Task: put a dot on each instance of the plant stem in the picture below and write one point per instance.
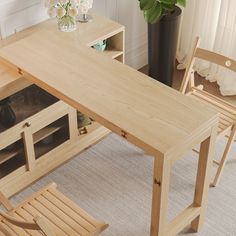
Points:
(67, 6)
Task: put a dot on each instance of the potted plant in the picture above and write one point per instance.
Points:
(163, 17)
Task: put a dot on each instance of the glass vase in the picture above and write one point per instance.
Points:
(67, 23)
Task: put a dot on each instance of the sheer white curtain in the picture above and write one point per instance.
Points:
(215, 22)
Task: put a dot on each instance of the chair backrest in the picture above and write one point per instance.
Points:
(50, 213)
(206, 55)
(37, 223)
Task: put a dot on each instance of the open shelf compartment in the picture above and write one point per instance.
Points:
(114, 46)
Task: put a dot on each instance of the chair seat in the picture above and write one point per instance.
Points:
(227, 112)
(62, 215)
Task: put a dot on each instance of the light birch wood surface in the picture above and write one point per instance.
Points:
(11, 82)
(88, 34)
(147, 113)
(122, 99)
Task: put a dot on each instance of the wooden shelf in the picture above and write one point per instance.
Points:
(40, 135)
(23, 108)
(112, 53)
(114, 46)
(47, 131)
(7, 155)
(11, 165)
(59, 138)
(10, 81)
(45, 164)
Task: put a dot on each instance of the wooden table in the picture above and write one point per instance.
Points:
(145, 112)
(29, 160)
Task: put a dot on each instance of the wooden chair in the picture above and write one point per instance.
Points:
(226, 110)
(47, 212)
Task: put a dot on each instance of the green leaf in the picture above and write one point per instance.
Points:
(182, 3)
(169, 2)
(168, 7)
(146, 4)
(153, 14)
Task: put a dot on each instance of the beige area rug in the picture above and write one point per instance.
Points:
(113, 182)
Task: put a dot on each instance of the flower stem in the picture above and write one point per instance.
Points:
(67, 7)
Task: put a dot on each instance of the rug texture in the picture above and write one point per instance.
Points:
(113, 182)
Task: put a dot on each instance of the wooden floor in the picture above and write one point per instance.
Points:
(211, 87)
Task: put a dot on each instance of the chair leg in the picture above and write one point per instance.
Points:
(224, 157)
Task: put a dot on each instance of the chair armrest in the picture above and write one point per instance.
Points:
(19, 223)
(5, 202)
(38, 224)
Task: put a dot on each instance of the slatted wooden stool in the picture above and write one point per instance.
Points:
(47, 212)
(227, 111)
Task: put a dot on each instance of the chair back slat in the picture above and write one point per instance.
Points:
(216, 58)
(206, 55)
(190, 64)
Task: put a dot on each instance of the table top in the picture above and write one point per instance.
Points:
(87, 34)
(147, 113)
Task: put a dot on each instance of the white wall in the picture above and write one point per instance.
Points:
(16, 15)
(129, 14)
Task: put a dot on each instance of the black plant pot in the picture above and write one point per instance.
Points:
(162, 45)
(7, 115)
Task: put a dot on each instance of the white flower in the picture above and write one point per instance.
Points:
(60, 8)
(90, 3)
(52, 12)
(50, 3)
(63, 1)
(73, 12)
(60, 12)
(85, 5)
(74, 3)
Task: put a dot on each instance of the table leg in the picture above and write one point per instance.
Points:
(161, 180)
(203, 179)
